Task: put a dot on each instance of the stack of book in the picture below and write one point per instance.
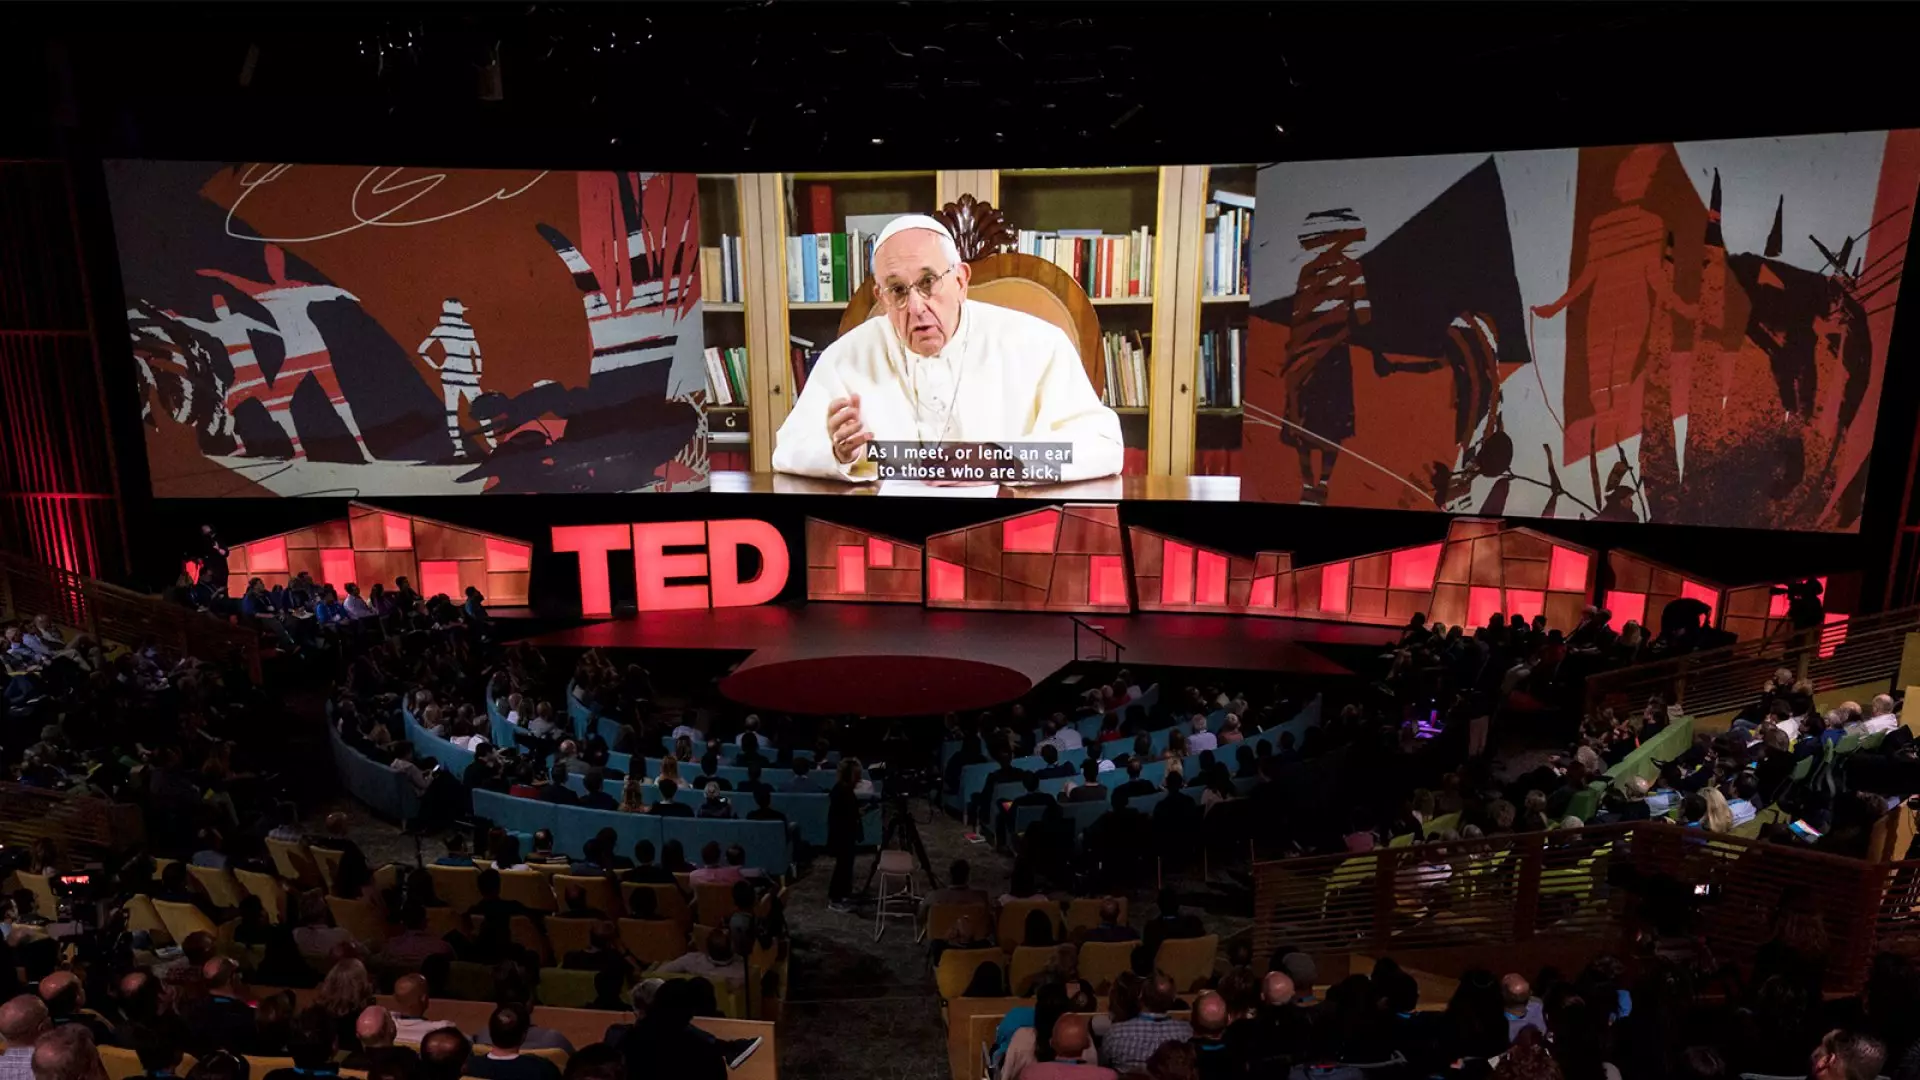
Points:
(726, 375)
(720, 272)
(1106, 266)
(1229, 240)
(824, 267)
(1125, 356)
(803, 356)
(1221, 352)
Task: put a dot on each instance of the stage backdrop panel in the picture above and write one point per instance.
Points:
(343, 330)
(844, 563)
(1690, 333)
(1061, 558)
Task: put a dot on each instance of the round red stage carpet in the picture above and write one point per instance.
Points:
(874, 685)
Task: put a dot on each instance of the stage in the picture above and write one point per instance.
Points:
(880, 660)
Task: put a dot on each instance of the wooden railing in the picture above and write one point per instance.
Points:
(122, 616)
(1862, 649)
(82, 825)
(1593, 884)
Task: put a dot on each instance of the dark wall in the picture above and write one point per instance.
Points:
(764, 87)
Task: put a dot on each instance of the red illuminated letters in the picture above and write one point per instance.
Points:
(653, 566)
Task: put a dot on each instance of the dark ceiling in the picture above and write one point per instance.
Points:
(729, 86)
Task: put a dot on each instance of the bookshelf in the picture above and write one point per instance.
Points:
(1104, 226)
(830, 204)
(723, 267)
(1220, 349)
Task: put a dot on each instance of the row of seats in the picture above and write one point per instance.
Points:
(1010, 926)
(504, 734)
(765, 842)
(1188, 961)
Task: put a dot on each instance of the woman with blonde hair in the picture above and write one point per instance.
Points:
(345, 991)
(633, 794)
(1719, 817)
(670, 770)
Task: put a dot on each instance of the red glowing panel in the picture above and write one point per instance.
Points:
(1030, 532)
(1482, 604)
(1567, 572)
(192, 570)
(505, 555)
(851, 561)
(1414, 568)
(1176, 574)
(653, 567)
(1262, 595)
(1107, 581)
(1627, 607)
(1834, 633)
(1210, 580)
(267, 556)
(336, 567)
(879, 552)
(1693, 590)
(399, 531)
(591, 543)
(945, 581)
(1525, 603)
(724, 539)
(1333, 587)
(439, 576)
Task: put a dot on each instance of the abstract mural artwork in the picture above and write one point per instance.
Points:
(343, 330)
(1690, 333)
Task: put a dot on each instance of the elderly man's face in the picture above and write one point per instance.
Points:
(910, 258)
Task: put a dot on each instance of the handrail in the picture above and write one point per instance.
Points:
(1846, 652)
(110, 613)
(1573, 885)
(1098, 632)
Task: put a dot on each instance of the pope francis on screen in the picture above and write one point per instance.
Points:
(941, 368)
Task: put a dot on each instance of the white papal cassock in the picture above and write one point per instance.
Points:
(1004, 376)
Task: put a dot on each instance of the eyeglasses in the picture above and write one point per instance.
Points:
(895, 296)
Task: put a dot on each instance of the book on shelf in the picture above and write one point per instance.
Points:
(1222, 353)
(803, 356)
(1227, 249)
(721, 276)
(1125, 358)
(827, 266)
(726, 375)
(1106, 265)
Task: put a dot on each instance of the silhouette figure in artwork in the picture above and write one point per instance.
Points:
(287, 301)
(1329, 302)
(459, 368)
(246, 393)
(1624, 280)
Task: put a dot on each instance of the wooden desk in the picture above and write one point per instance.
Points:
(1109, 489)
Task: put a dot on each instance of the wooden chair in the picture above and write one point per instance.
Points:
(1102, 961)
(942, 917)
(124, 1064)
(712, 903)
(182, 919)
(568, 935)
(41, 886)
(328, 860)
(1188, 961)
(359, 918)
(442, 921)
(527, 935)
(684, 879)
(294, 863)
(956, 968)
(272, 894)
(459, 886)
(668, 901)
(387, 877)
(468, 981)
(551, 1053)
(261, 1066)
(1011, 931)
(1029, 963)
(221, 886)
(1005, 278)
(530, 887)
(1083, 913)
(601, 892)
(565, 989)
(142, 916)
(655, 941)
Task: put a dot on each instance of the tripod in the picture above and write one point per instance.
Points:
(900, 830)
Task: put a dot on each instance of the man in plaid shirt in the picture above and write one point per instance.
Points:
(1130, 1043)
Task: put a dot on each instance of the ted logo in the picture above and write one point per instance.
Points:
(653, 567)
